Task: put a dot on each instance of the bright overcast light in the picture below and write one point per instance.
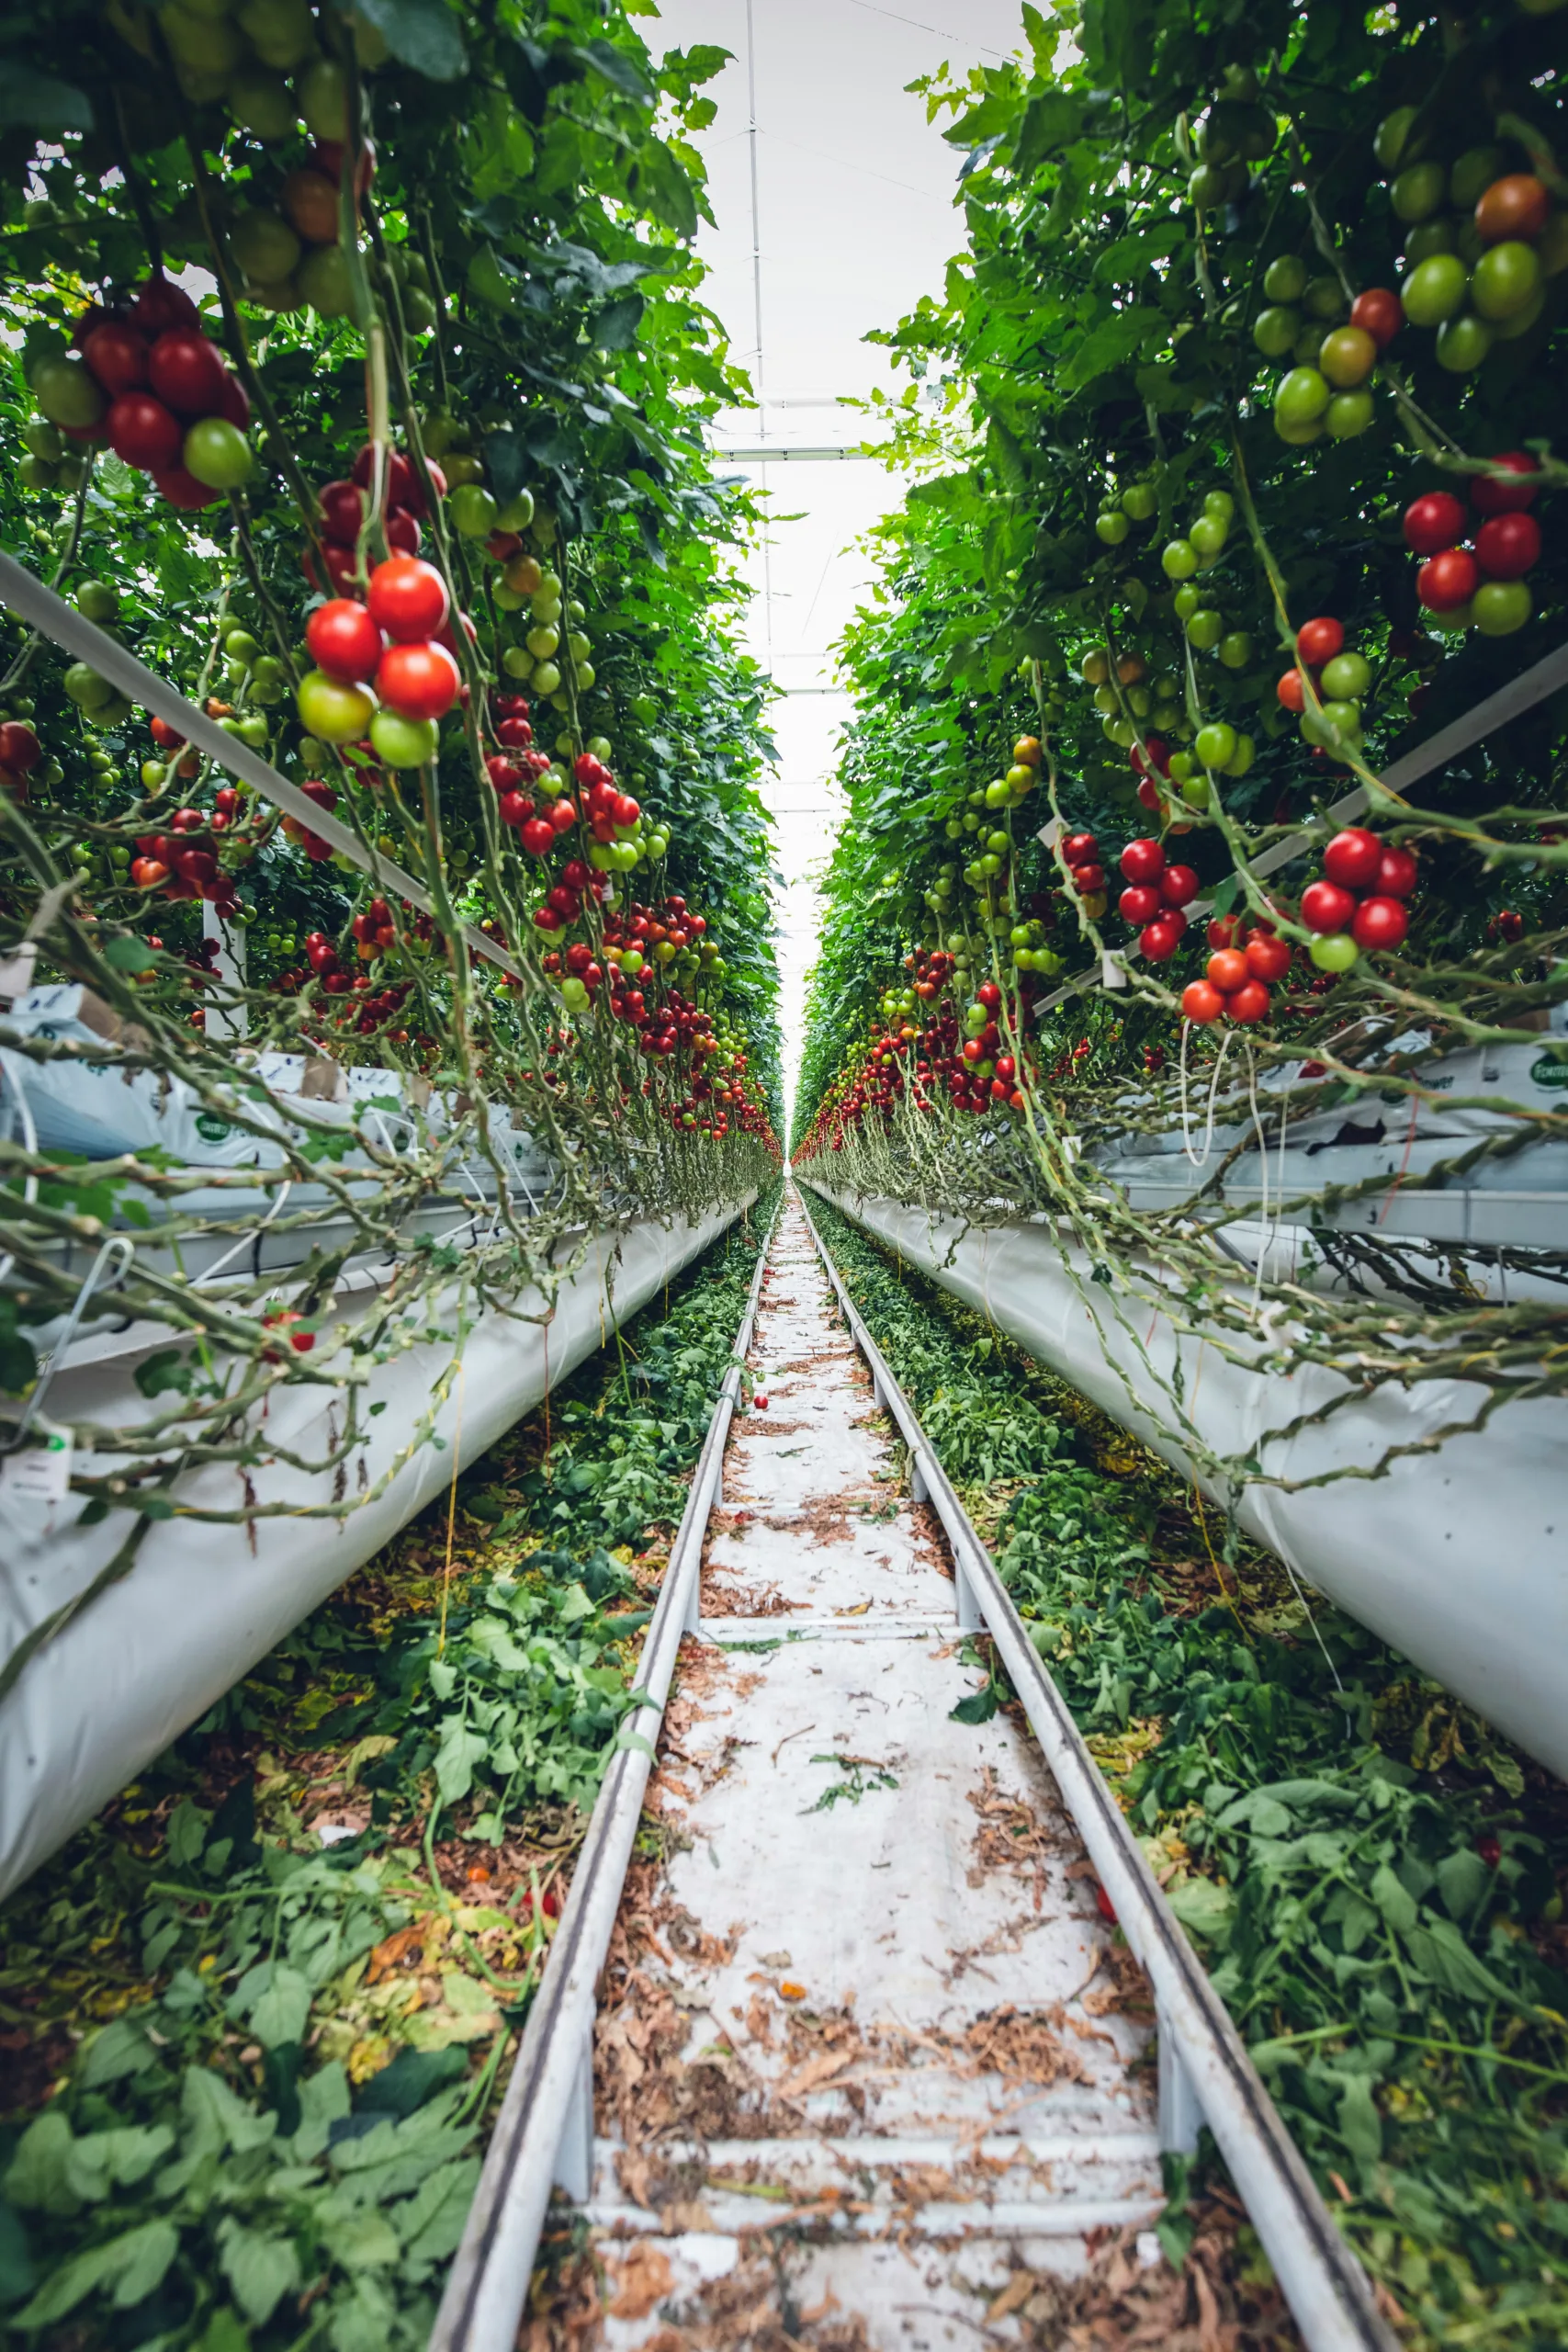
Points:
(856, 219)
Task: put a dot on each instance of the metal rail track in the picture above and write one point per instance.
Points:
(544, 2135)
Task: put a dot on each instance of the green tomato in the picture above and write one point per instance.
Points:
(1112, 528)
(1139, 500)
(1301, 397)
(152, 773)
(1505, 278)
(1105, 700)
(1204, 630)
(1208, 187)
(241, 645)
(1220, 503)
(997, 793)
(66, 391)
(1275, 332)
(96, 601)
(1509, 330)
(209, 48)
(577, 645)
(1348, 414)
(542, 642)
(264, 244)
(471, 510)
(282, 31)
(322, 93)
(217, 453)
(1438, 235)
(517, 514)
(1453, 622)
(252, 728)
(1332, 951)
(1323, 298)
(1347, 677)
(262, 103)
(108, 714)
(573, 992)
(1187, 600)
(1392, 133)
(517, 663)
(85, 688)
(1122, 733)
(1241, 759)
(1435, 291)
(1208, 535)
(1463, 343)
(999, 843)
(1500, 607)
(40, 437)
(586, 676)
(1473, 175)
(1235, 649)
(1140, 702)
(324, 282)
(1285, 278)
(330, 711)
(1419, 191)
(403, 742)
(1167, 717)
(35, 473)
(546, 678)
(1180, 561)
(1217, 743)
(1195, 791)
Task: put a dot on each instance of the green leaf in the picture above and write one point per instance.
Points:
(459, 1751)
(665, 188)
(618, 68)
(1463, 1880)
(1204, 1908)
(18, 2272)
(42, 101)
(37, 2178)
(506, 464)
(129, 954)
(282, 2011)
(616, 327)
(260, 2268)
(1360, 2125)
(419, 33)
(978, 1708)
(135, 2262)
(1052, 120)
(169, 1369)
(1114, 341)
(1440, 1952)
(1393, 1899)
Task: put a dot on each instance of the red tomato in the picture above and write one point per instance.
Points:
(1267, 957)
(1139, 904)
(1318, 642)
(1201, 1002)
(1377, 312)
(563, 816)
(326, 157)
(1489, 1848)
(418, 681)
(987, 994)
(1160, 939)
(1142, 861)
(1107, 1909)
(1158, 760)
(1249, 1004)
(565, 903)
(1507, 546)
(117, 356)
(161, 304)
(20, 750)
(1514, 205)
(164, 735)
(515, 808)
(1149, 796)
(1221, 931)
(1087, 879)
(407, 598)
(1434, 522)
(1226, 969)
(537, 836)
(507, 775)
(402, 485)
(1290, 692)
(1397, 873)
(627, 811)
(144, 433)
(187, 372)
(343, 640)
(343, 511)
(1449, 579)
(1325, 907)
(183, 490)
(1351, 858)
(515, 733)
(1079, 849)
(1179, 886)
(338, 563)
(1489, 496)
(403, 533)
(1379, 924)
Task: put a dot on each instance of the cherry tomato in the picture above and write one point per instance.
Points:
(1351, 858)
(1433, 523)
(188, 373)
(1139, 904)
(514, 809)
(338, 563)
(161, 304)
(1268, 957)
(1201, 1002)
(183, 490)
(343, 511)
(1142, 861)
(417, 681)
(1379, 313)
(537, 836)
(1249, 1004)
(1447, 580)
(1160, 940)
(1222, 930)
(402, 484)
(1506, 546)
(403, 533)
(1088, 880)
(20, 750)
(1514, 205)
(563, 816)
(343, 640)
(1325, 907)
(407, 598)
(1226, 969)
(1379, 924)
(144, 433)
(117, 356)
(1079, 849)
(1491, 495)
(1397, 874)
(309, 202)
(1290, 693)
(1319, 640)
(236, 405)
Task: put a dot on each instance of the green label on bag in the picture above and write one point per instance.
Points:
(1546, 1073)
(210, 1128)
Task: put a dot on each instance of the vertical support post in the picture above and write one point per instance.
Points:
(877, 1398)
(971, 1617)
(918, 1490)
(1181, 2110)
(574, 2156)
(228, 968)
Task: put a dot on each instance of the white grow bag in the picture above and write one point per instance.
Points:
(1459, 1558)
(151, 1654)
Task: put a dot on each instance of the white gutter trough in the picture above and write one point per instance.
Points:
(147, 1655)
(1458, 1556)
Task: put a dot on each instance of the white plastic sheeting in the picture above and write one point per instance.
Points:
(1458, 1557)
(151, 1654)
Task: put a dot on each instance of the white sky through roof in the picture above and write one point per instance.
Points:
(857, 219)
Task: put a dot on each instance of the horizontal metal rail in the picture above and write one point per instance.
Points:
(1206, 2074)
(544, 2133)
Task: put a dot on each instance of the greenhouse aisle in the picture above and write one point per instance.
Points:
(868, 2061)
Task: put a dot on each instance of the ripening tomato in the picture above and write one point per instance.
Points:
(407, 598)
(1506, 546)
(1226, 969)
(1319, 640)
(1139, 904)
(1268, 957)
(117, 356)
(343, 640)
(1250, 1002)
(1201, 1002)
(1351, 858)
(1160, 940)
(1290, 693)
(1379, 924)
(563, 816)
(1396, 874)
(418, 681)
(1142, 861)
(187, 372)
(1325, 907)
(1514, 205)
(20, 750)
(1179, 886)
(1447, 580)
(1377, 312)
(1434, 522)
(144, 433)
(1490, 494)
